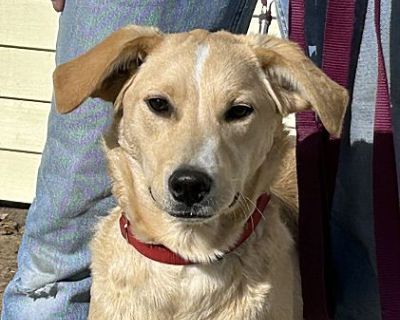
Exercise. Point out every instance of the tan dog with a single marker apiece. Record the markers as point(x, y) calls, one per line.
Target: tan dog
point(197, 138)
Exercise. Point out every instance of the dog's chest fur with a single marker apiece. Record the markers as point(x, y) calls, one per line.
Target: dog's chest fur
point(240, 286)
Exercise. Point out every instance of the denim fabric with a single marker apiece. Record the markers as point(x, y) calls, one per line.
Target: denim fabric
point(73, 190)
point(282, 12)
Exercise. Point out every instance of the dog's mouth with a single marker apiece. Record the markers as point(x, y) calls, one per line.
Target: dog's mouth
point(195, 213)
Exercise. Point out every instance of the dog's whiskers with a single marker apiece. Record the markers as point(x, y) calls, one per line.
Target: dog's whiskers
point(243, 210)
point(244, 205)
point(255, 206)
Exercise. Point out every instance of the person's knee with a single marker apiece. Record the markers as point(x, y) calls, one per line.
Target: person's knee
point(36, 279)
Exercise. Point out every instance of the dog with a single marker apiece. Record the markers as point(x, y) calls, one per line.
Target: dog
point(202, 170)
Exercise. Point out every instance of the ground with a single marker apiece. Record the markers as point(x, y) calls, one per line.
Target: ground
point(12, 223)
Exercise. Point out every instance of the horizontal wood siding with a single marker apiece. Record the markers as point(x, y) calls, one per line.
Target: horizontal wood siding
point(18, 172)
point(26, 74)
point(28, 30)
point(23, 125)
point(28, 23)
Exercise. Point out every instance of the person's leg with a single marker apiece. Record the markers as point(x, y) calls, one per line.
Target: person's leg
point(53, 281)
point(282, 13)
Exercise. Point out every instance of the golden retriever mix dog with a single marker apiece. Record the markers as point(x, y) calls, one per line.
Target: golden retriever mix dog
point(197, 158)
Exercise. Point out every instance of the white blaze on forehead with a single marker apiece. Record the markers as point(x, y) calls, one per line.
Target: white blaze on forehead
point(201, 56)
point(206, 156)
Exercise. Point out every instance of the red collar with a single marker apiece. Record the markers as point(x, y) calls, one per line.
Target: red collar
point(164, 255)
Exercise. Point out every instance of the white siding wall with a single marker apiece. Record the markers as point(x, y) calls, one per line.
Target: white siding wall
point(27, 42)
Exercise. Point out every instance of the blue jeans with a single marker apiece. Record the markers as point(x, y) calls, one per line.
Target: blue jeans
point(73, 191)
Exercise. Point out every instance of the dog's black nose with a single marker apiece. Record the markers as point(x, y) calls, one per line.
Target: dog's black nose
point(189, 186)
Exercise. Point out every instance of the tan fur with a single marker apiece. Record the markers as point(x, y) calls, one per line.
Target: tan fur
point(258, 280)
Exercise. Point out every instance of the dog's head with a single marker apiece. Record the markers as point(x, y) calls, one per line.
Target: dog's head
point(198, 120)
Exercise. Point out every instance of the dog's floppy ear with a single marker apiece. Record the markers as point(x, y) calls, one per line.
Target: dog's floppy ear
point(102, 71)
point(296, 84)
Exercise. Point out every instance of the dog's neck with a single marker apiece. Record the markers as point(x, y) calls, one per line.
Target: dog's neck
point(162, 254)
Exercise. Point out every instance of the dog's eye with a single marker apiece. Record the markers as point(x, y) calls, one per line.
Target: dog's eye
point(159, 105)
point(238, 112)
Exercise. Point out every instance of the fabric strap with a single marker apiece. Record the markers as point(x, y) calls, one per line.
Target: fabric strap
point(394, 70)
point(317, 156)
point(311, 206)
point(352, 236)
point(386, 201)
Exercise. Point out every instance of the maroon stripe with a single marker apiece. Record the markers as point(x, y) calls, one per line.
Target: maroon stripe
point(306, 123)
point(311, 206)
point(312, 227)
point(336, 59)
point(387, 225)
point(296, 22)
point(317, 157)
point(386, 201)
point(383, 118)
point(338, 40)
